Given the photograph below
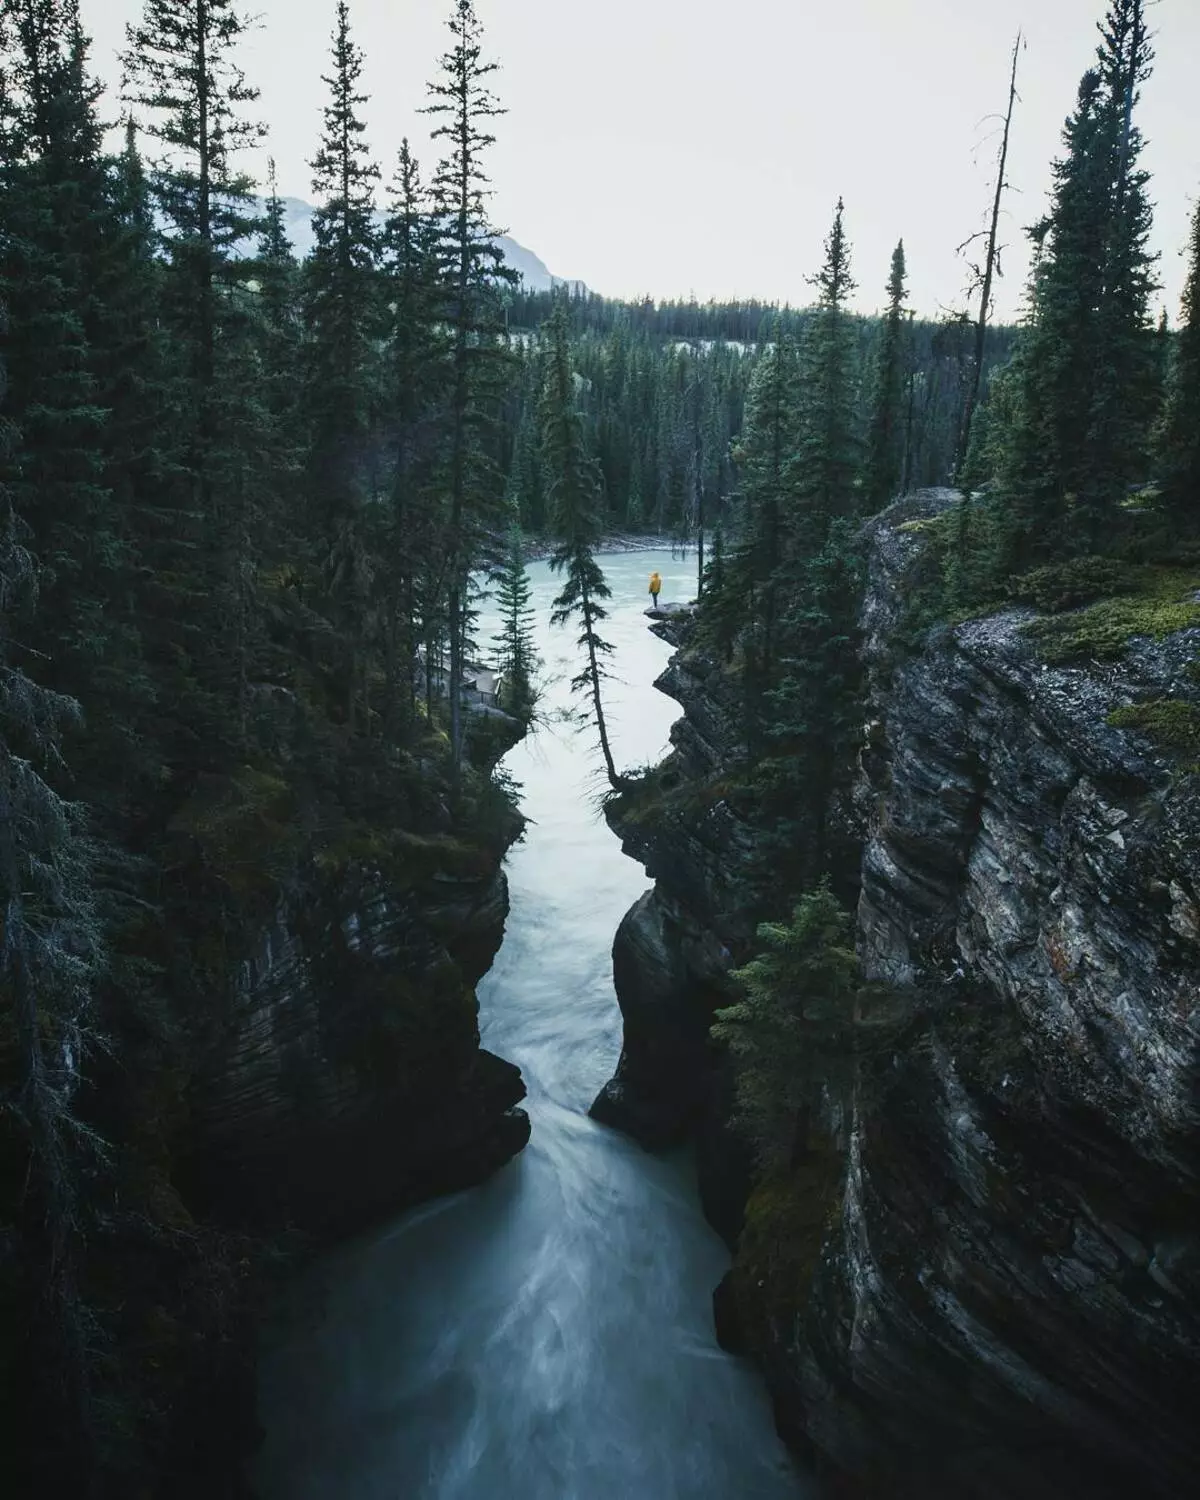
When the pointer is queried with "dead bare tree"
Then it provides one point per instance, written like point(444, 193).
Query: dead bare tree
point(985, 274)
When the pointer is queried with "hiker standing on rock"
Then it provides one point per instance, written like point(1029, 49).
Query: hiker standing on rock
point(655, 588)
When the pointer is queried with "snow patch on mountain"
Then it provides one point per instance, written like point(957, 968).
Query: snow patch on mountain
point(537, 276)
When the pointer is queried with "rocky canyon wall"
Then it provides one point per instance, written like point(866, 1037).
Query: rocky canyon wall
point(997, 1289)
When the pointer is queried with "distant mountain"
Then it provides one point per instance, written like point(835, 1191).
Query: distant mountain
point(536, 274)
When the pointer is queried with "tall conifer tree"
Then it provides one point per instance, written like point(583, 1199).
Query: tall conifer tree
point(181, 68)
point(50, 949)
point(515, 656)
point(573, 493)
point(764, 456)
point(344, 324)
point(1179, 438)
point(885, 432)
point(825, 467)
point(1084, 370)
point(470, 264)
point(410, 579)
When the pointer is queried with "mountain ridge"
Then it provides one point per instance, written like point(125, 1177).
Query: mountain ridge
point(534, 272)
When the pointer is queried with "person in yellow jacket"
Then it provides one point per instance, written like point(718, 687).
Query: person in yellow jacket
point(655, 588)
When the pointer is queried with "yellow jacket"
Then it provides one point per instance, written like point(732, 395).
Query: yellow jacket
point(655, 583)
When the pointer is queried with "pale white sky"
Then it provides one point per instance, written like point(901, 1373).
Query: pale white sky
point(698, 146)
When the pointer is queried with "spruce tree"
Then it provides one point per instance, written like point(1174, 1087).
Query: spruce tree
point(181, 68)
point(515, 657)
point(1085, 365)
point(470, 265)
point(50, 959)
point(1125, 390)
point(79, 281)
point(409, 581)
point(1179, 436)
point(343, 325)
point(825, 465)
point(764, 457)
point(277, 340)
point(54, 201)
point(885, 436)
point(791, 1032)
point(810, 701)
point(573, 495)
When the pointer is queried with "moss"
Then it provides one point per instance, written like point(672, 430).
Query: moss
point(788, 1219)
point(407, 859)
point(244, 827)
point(1068, 585)
point(1164, 602)
point(1170, 723)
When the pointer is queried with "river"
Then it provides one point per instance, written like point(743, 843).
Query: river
point(548, 1335)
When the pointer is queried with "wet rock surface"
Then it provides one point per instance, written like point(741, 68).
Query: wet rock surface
point(1007, 1300)
point(349, 1082)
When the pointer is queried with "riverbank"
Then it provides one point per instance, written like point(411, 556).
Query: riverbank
point(548, 1334)
point(540, 549)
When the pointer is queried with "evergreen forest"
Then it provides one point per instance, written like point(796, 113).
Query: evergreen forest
point(250, 504)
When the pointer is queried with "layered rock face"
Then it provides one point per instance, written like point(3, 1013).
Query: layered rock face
point(1007, 1298)
point(349, 1081)
point(674, 950)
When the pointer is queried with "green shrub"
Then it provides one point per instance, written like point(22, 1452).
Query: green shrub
point(1068, 585)
point(1170, 723)
point(1164, 603)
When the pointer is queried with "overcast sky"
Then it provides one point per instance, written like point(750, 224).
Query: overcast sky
point(698, 146)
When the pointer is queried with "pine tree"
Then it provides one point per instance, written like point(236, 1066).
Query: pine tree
point(181, 67)
point(50, 958)
point(764, 457)
point(409, 580)
point(278, 295)
point(516, 660)
point(343, 318)
point(825, 465)
point(1125, 390)
point(814, 720)
point(470, 265)
point(573, 493)
point(1084, 367)
point(55, 211)
point(77, 281)
point(791, 1033)
point(810, 700)
point(885, 445)
point(1179, 437)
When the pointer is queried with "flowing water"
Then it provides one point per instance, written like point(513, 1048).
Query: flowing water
point(547, 1336)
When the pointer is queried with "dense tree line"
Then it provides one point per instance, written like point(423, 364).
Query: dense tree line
point(246, 503)
point(242, 504)
point(664, 398)
point(1081, 476)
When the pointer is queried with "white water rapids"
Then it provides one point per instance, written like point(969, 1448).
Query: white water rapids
point(547, 1336)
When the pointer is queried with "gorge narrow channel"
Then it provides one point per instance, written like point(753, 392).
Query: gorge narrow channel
point(547, 1336)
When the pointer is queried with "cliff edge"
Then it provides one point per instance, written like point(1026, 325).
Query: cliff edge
point(994, 1285)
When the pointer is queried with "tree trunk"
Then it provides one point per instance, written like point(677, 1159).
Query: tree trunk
point(614, 780)
point(989, 272)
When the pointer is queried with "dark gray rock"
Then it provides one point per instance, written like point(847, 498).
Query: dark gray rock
point(656, 1091)
point(987, 1320)
point(1008, 1300)
point(348, 1082)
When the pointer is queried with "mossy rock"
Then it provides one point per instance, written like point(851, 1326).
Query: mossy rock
point(1164, 602)
point(788, 1218)
point(1170, 723)
point(1068, 585)
point(245, 827)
